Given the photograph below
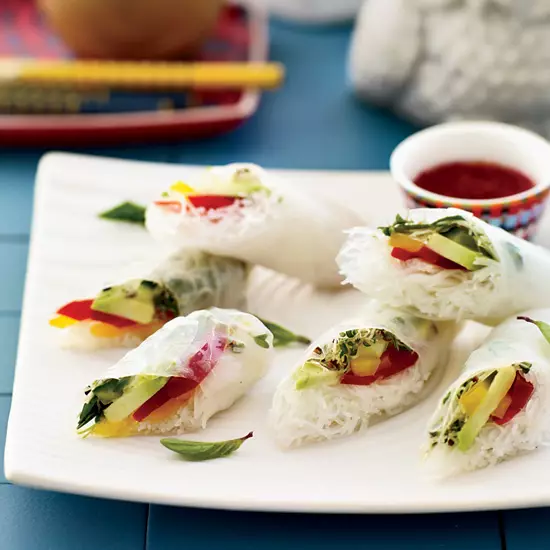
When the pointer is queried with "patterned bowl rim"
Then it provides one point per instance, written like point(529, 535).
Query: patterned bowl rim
point(509, 203)
point(531, 195)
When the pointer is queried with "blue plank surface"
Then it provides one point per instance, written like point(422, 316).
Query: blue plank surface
point(14, 264)
point(40, 520)
point(314, 121)
point(17, 170)
point(5, 402)
point(9, 331)
point(527, 529)
point(258, 531)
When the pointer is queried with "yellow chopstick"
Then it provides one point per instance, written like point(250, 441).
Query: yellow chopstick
point(116, 74)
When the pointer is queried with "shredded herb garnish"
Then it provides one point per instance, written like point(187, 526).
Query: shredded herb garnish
point(337, 354)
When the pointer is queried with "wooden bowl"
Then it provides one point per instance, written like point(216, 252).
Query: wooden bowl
point(132, 29)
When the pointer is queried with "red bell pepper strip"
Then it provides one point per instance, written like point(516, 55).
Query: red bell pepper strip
point(392, 362)
point(175, 387)
point(520, 392)
point(427, 255)
point(81, 310)
point(172, 206)
point(199, 366)
point(211, 202)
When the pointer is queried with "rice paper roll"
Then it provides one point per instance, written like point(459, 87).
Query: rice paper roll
point(499, 406)
point(176, 380)
point(239, 210)
point(125, 314)
point(447, 264)
point(357, 372)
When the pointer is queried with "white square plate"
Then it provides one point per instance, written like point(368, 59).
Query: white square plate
point(73, 252)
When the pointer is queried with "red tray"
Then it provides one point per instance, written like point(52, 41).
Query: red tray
point(241, 34)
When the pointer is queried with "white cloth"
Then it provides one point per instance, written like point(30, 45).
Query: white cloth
point(437, 60)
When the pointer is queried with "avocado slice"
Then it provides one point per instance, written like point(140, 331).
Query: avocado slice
point(453, 251)
point(367, 360)
point(501, 384)
point(138, 393)
point(243, 182)
point(134, 300)
point(311, 374)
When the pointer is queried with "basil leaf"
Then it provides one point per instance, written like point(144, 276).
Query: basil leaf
point(197, 451)
point(283, 336)
point(90, 411)
point(126, 212)
point(542, 326)
point(516, 256)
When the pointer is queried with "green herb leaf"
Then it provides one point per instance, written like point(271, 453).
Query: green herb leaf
point(91, 411)
point(542, 326)
point(197, 451)
point(261, 341)
point(126, 212)
point(282, 336)
point(103, 393)
point(516, 256)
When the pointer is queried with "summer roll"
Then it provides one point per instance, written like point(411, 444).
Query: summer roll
point(177, 379)
point(127, 313)
point(500, 405)
point(447, 264)
point(239, 210)
point(374, 366)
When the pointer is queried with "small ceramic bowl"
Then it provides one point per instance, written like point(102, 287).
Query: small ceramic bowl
point(494, 142)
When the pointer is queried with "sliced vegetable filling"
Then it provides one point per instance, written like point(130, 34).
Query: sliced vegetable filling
point(115, 406)
point(492, 397)
point(448, 243)
point(357, 357)
point(215, 194)
point(129, 307)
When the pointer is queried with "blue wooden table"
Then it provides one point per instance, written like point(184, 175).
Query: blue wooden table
point(313, 122)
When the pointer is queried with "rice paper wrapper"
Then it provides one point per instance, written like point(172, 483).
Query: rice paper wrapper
point(328, 411)
point(491, 294)
point(305, 230)
point(512, 342)
point(199, 280)
point(224, 351)
point(167, 352)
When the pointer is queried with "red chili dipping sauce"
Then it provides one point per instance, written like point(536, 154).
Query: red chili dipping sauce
point(473, 180)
